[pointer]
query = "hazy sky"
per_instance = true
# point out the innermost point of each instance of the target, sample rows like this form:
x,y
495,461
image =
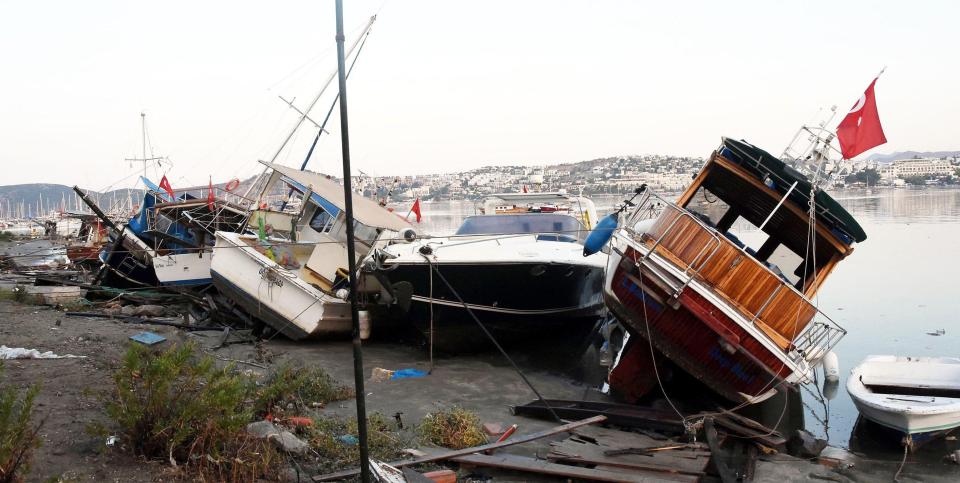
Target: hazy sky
x,y
449,85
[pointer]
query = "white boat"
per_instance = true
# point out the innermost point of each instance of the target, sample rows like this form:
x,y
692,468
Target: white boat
x,y
917,396
292,275
519,268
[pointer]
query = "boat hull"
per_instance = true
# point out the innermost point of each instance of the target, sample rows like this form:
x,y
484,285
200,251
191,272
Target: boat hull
x,y
922,409
183,269
275,295
515,301
127,264
693,333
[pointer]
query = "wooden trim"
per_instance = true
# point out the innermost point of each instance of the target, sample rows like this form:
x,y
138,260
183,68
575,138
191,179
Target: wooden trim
x,y
697,182
729,165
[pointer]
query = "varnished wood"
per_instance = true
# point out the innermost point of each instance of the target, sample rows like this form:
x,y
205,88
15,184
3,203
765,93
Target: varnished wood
x,y
742,281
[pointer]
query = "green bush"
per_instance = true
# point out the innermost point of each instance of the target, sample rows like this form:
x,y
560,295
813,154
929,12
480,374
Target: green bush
x,y
455,428
174,405
18,435
301,387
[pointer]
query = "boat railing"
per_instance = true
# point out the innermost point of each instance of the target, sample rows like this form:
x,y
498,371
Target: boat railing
x,y
699,251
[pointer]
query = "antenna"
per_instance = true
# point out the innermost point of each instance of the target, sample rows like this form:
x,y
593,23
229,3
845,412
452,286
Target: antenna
x,y
144,159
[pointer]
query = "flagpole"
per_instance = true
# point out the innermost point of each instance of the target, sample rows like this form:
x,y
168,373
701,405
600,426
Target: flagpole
x,y
351,254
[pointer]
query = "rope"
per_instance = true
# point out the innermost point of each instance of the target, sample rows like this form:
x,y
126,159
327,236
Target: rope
x,y
490,336
903,462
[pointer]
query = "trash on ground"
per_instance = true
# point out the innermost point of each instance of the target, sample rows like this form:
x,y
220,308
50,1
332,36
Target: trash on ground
x,y
21,353
148,338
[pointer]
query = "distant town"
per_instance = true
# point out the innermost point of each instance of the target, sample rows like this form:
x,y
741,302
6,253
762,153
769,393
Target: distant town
x,y
624,173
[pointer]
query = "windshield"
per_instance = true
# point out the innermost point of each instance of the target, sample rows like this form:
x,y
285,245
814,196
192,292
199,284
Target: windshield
x,y
517,224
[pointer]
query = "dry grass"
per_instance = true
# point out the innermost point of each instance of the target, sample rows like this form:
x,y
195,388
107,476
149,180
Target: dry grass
x,y
455,428
331,438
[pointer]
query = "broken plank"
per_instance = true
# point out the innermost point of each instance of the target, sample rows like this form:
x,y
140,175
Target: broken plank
x,y
622,463
476,449
531,465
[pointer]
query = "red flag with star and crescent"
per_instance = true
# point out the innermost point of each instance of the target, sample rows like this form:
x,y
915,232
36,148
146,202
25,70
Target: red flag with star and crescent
x,y
165,186
860,130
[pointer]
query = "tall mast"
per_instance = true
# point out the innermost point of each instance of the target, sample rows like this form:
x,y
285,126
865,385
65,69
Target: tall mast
x,y
304,114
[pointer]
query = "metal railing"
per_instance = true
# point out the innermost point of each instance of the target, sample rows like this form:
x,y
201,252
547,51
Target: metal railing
x,y
810,343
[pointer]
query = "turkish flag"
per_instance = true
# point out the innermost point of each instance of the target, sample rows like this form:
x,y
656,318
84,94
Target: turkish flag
x,y
210,197
416,209
861,129
165,185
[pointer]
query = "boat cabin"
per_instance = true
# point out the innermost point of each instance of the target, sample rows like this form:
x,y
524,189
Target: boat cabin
x,y
746,227
310,215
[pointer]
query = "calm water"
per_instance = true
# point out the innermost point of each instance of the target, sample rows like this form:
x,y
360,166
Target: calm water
x,y
894,288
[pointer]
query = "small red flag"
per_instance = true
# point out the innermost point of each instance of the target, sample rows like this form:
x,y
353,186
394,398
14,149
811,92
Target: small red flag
x,y
210,197
416,209
165,185
861,129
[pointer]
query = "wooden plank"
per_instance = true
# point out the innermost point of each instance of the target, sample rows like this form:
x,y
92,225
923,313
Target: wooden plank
x,y
531,465
476,449
684,462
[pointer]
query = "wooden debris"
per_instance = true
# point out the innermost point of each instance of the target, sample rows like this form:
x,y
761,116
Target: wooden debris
x,y
532,465
476,449
592,445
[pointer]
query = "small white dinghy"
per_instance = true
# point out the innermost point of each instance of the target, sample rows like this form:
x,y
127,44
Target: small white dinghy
x,y
917,396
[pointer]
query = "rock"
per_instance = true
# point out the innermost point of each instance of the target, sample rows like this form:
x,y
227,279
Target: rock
x,y
288,442
284,440
493,429
149,311
128,310
262,429
802,444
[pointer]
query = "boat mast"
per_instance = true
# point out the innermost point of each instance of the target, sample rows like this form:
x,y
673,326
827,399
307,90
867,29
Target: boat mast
x,y
304,114
143,141
351,250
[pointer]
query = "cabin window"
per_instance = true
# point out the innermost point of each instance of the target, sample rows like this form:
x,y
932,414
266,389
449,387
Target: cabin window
x,y
322,221
708,207
365,234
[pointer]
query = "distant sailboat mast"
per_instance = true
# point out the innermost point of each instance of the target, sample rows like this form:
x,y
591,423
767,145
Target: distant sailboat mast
x,y
143,140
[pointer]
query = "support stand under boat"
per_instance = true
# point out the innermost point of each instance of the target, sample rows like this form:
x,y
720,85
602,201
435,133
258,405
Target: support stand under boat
x,y
351,255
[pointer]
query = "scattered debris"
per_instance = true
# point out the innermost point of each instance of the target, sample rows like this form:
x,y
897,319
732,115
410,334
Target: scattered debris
x,y
463,452
283,439
21,353
493,429
802,444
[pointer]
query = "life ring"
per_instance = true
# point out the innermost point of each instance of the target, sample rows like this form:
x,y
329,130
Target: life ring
x,y
232,185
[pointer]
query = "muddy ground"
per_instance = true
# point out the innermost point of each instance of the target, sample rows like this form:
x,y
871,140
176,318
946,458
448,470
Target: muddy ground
x,y
69,399
71,388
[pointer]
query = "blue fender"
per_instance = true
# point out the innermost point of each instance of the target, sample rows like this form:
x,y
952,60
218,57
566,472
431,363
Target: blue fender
x,y
601,234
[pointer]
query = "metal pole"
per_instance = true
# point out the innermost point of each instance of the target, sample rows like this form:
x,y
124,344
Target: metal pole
x,y
351,254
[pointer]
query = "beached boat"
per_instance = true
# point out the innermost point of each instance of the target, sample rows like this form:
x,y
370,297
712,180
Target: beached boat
x,y
292,274
737,315
917,396
519,268
169,241
89,239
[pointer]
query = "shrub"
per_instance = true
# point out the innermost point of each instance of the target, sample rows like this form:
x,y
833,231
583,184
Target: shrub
x,y
299,386
455,428
332,439
174,405
18,435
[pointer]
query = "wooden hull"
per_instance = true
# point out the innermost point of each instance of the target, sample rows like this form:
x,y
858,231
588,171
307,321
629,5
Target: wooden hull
x,y
694,333
84,253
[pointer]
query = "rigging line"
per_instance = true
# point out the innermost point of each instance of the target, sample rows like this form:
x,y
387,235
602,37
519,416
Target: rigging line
x,y
333,104
466,307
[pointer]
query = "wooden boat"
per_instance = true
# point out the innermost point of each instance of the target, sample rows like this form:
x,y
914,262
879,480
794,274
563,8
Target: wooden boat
x,y
89,240
292,274
721,309
917,396
169,241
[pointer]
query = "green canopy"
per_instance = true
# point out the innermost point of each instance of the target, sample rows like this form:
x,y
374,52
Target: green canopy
x,y
764,165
